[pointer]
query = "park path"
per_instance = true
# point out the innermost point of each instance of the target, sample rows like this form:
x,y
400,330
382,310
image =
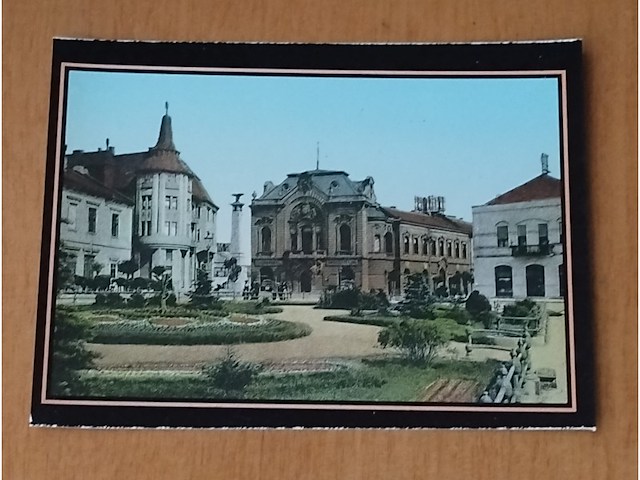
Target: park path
x,y
328,340
551,355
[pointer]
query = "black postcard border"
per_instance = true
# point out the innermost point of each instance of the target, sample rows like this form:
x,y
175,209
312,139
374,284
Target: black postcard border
x,y
497,57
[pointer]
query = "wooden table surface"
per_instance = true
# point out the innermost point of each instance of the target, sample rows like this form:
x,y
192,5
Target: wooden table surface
x,y
610,48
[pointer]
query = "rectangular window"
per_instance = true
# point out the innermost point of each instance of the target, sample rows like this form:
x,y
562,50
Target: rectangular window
x,y
169,256
92,220
174,203
543,234
115,224
522,235
88,266
503,236
174,229
146,202
113,270
148,227
199,209
72,215
167,202
167,228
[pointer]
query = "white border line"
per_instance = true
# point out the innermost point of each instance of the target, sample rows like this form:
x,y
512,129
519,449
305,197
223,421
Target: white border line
x,y
299,406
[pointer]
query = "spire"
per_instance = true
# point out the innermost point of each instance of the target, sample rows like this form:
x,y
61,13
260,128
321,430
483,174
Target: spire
x,y
165,139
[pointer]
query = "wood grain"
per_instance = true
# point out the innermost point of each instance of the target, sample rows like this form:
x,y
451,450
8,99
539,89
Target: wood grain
x,y
609,32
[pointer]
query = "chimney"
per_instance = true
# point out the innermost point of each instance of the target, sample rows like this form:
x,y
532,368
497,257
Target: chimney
x,y
544,161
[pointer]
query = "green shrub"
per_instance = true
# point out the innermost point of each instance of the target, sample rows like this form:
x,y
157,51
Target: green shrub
x,y
136,300
140,283
69,354
522,308
231,375
100,300
461,316
155,300
418,340
477,304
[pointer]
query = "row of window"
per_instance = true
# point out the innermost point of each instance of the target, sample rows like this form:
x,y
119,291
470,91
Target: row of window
x,y
171,203
502,233
535,280
432,247
92,220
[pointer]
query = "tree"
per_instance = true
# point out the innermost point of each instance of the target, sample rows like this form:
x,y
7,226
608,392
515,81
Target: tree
x,y
128,267
65,272
163,285
418,339
479,308
231,374
70,355
417,297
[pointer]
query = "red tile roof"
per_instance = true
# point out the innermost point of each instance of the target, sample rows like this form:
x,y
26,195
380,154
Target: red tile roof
x,y
433,221
540,188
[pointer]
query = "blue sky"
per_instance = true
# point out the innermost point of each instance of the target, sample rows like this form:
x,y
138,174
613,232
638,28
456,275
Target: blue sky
x,y
465,139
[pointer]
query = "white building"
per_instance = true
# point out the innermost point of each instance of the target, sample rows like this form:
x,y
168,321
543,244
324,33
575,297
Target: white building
x,y
172,225
517,242
95,225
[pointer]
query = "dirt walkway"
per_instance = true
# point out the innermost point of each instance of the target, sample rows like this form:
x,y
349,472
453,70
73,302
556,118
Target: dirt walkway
x,y
551,355
328,340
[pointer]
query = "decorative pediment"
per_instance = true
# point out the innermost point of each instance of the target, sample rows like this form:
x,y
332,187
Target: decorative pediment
x,y
264,221
306,211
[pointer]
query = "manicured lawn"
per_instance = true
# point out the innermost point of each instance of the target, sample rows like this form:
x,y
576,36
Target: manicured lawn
x,y
385,380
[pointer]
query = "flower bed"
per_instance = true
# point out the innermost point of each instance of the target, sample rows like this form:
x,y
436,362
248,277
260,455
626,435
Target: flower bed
x,y
144,332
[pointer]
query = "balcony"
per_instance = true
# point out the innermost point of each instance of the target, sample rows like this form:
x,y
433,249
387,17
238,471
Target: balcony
x,y
531,250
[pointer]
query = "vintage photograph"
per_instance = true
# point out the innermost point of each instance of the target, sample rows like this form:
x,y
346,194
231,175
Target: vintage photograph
x,y
322,238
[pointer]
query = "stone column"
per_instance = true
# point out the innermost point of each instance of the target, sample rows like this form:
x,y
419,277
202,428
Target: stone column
x,y
154,204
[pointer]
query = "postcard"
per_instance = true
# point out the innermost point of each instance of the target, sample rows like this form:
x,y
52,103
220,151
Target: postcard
x,y
289,235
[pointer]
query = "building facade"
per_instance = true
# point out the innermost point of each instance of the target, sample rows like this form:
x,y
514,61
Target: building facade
x,y
319,229
95,225
518,242
170,217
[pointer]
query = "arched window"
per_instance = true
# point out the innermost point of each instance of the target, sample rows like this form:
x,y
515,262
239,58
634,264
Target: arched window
x,y
441,247
504,281
376,243
457,250
502,232
433,247
449,250
266,240
464,250
535,281
388,242
425,246
415,245
406,243
345,238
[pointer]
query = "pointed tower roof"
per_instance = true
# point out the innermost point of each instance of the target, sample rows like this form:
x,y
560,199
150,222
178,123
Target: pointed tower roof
x,y
164,157
165,139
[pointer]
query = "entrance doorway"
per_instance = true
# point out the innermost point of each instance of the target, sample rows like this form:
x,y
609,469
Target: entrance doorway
x,y
305,281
